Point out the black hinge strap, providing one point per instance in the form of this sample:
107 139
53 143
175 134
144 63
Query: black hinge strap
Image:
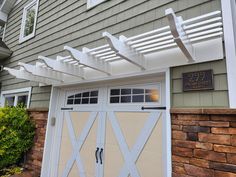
156 108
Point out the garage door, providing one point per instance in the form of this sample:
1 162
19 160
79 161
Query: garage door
112 132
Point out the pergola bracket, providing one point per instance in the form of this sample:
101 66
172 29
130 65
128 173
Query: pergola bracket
88 60
63 67
180 37
125 51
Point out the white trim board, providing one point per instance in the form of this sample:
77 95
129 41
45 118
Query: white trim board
230 49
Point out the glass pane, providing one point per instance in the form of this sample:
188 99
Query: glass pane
115 91
72 96
152 98
77 101
138 98
29 21
22 100
125 99
85 101
85 94
93 100
70 101
94 93
125 91
9 101
78 95
138 91
114 99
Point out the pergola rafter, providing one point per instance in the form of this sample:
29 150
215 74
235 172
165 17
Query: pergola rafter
140 53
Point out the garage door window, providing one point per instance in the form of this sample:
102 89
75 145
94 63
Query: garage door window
87 97
149 94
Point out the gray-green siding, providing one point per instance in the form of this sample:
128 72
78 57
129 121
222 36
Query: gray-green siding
63 22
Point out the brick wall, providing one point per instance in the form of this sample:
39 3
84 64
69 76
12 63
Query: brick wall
204 142
34 157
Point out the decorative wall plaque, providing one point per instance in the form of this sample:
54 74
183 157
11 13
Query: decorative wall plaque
198 80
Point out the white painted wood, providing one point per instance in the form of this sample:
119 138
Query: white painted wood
179 35
77 144
88 60
63 67
167 160
38 70
129 161
124 51
22 74
142 140
230 48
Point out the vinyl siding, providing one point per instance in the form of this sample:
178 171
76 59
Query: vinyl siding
63 22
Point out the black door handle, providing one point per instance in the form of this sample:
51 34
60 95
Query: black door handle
101 151
96 154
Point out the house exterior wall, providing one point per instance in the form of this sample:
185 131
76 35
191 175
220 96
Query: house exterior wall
64 22
218 97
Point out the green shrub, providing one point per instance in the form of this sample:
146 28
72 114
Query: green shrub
7 172
16 135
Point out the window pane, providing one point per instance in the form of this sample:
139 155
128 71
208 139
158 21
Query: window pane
138 91
94 93
22 100
78 95
125 99
71 96
115 91
85 94
114 99
125 91
29 21
152 98
138 98
9 101
85 101
77 101
93 100
70 101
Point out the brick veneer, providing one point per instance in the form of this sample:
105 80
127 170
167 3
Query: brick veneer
34 157
204 142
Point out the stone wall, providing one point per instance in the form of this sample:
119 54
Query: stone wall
34 157
204 142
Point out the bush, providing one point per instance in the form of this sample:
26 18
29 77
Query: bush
16 135
7 172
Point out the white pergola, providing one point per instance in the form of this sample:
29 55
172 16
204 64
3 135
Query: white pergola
180 43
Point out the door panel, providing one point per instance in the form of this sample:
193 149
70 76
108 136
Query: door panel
134 138
78 144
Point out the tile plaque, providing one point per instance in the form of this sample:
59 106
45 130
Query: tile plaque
198 80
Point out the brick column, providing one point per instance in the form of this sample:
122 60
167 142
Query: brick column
204 142
34 156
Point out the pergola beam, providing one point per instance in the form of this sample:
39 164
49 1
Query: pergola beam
124 51
43 72
180 37
22 74
63 67
88 60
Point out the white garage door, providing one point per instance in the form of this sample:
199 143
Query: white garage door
112 132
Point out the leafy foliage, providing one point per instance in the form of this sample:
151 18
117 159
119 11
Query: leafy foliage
29 23
7 172
16 135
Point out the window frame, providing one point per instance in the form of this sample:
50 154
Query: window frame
91 5
156 85
16 93
26 8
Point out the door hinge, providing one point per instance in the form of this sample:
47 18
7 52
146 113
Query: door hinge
64 109
154 108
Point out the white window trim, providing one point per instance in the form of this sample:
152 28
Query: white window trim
91 4
16 92
22 38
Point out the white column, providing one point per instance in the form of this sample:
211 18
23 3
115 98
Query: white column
230 50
